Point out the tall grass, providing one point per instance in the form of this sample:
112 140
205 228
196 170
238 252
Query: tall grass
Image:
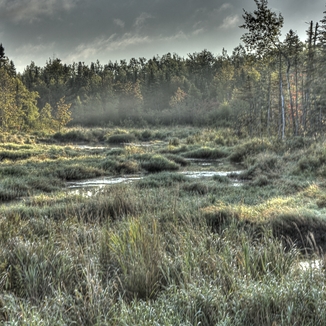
166 250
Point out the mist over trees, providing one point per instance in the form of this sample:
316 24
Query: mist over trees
272 85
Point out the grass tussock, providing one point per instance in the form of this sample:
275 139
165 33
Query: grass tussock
159 163
120 139
206 153
249 148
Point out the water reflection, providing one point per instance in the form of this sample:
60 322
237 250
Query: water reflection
99 183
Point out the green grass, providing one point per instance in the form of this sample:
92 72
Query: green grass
120 138
166 249
206 153
159 163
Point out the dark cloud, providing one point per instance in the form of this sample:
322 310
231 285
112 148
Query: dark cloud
85 30
22 11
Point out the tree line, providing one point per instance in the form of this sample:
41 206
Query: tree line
268 86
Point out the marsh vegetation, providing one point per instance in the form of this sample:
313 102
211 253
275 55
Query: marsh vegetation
166 248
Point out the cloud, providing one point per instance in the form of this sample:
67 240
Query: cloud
198 31
106 45
36 48
225 6
33 10
140 20
230 22
119 23
29 52
178 36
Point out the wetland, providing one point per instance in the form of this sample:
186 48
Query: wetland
168 230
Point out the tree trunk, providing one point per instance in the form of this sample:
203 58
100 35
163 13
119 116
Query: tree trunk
282 99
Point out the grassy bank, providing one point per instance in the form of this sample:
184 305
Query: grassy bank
166 249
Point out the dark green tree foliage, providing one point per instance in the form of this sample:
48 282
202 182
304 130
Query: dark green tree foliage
3 58
264 28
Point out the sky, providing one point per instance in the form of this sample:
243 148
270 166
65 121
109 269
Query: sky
110 30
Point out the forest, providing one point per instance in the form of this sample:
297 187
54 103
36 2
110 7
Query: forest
271 85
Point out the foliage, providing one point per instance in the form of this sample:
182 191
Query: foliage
63 115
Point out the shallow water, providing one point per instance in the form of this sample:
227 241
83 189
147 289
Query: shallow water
209 174
91 147
98 183
101 182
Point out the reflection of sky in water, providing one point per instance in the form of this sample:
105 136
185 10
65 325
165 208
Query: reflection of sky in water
208 174
100 182
83 187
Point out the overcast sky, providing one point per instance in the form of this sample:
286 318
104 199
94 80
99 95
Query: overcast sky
87 30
